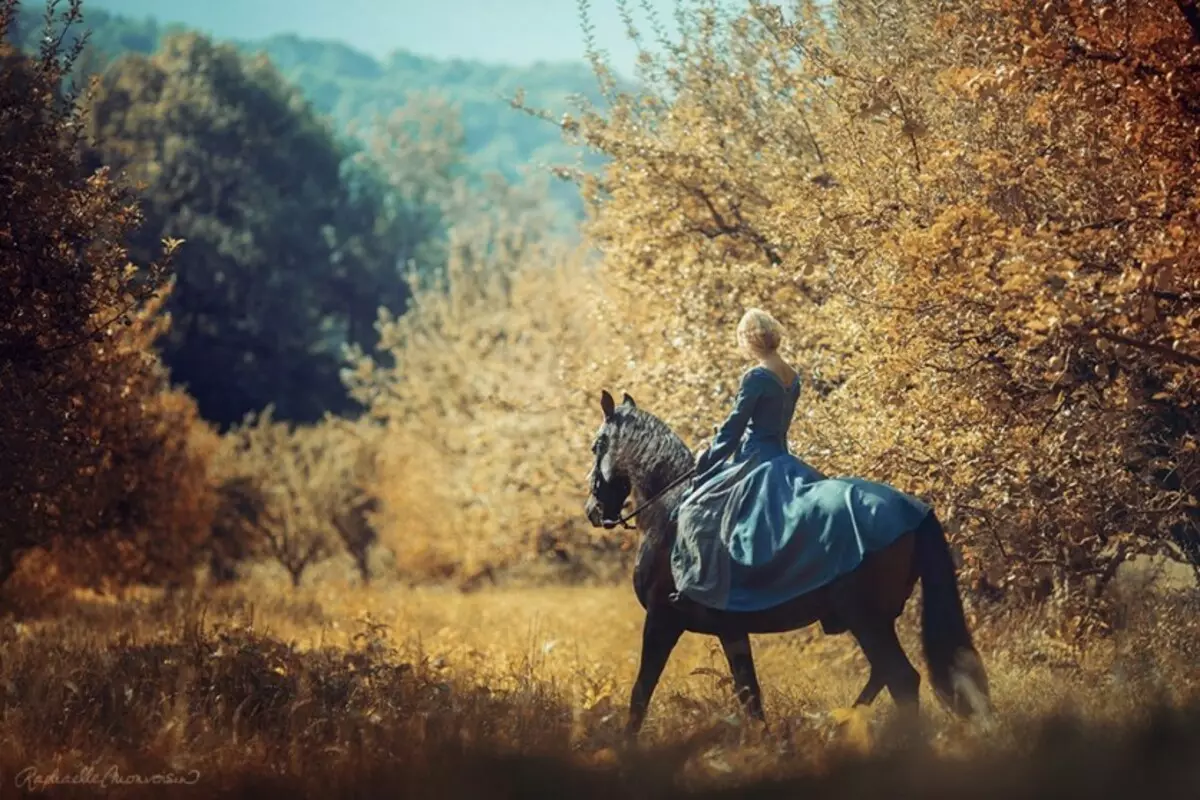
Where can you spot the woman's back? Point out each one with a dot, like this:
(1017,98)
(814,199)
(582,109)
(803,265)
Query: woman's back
(774,406)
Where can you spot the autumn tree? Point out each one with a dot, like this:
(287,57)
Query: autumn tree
(294,493)
(465,388)
(482,440)
(285,262)
(102,458)
(976,222)
(928,196)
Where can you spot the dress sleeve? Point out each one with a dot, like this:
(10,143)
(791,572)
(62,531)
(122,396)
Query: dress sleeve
(730,433)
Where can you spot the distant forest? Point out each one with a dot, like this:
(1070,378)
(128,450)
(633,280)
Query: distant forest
(306,181)
(351,87)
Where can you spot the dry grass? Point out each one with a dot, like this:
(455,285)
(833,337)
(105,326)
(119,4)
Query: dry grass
(333,690)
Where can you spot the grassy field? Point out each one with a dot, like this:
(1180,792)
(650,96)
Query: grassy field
(338,690)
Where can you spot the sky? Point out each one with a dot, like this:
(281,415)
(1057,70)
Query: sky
(517,32)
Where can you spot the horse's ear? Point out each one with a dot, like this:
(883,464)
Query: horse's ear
(627,400)
(606,403)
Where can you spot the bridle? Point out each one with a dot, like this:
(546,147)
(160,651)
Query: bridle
(624,520)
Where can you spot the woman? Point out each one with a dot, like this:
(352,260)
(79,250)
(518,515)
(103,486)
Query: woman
(766,527)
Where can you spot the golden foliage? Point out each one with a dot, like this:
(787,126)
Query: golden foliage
(154,458)
(415,692)
(292,493)
(977,221)
(483,441)
(103,461)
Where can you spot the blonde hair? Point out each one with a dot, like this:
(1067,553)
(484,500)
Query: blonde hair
(759,332)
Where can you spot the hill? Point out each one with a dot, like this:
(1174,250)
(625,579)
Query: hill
(352,87)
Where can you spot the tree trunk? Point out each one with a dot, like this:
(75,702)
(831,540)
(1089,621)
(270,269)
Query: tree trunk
(8,562)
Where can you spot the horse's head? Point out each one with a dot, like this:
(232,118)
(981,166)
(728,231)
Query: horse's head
(635,453)
(609,479)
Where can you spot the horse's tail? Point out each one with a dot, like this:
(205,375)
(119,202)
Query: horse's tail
(955,668)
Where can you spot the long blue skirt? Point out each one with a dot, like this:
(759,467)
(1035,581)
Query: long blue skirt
(762,532)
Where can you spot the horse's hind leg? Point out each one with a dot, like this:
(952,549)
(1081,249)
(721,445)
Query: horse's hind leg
(745,681)
(879,643)
(660,634)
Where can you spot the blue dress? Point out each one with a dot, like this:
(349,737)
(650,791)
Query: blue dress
(760,526)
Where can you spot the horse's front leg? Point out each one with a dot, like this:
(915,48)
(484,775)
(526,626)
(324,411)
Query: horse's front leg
(660,634)
(745,681)
(874,686)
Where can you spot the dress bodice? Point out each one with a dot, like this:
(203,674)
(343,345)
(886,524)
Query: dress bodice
(759,422)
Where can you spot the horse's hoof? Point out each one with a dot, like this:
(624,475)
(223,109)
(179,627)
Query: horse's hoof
(853,726)
(757,729)
(605,757)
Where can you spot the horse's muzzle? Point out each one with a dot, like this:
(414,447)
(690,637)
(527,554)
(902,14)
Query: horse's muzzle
(592,510)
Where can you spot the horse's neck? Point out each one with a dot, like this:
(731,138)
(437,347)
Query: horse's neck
(664,460)
(668,458)
(655,518)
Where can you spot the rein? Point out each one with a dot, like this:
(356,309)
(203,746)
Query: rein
(624,521)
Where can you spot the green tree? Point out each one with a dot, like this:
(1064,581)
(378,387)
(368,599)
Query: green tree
(414,163)
(283,262)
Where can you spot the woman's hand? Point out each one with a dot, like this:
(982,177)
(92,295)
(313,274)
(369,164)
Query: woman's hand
(703,454)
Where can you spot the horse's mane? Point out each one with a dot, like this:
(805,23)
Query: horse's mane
(652,455)
(651,438)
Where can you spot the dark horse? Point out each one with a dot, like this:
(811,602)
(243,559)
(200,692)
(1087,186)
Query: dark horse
(636,453)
